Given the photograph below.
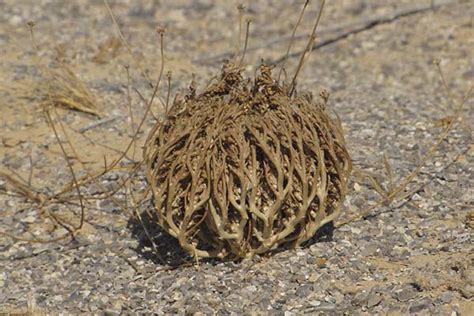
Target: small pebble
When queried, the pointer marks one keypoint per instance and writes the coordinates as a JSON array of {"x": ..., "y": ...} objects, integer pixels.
[
  {"x": 374, "y": 299},
  {"x": 419, "y": 306},
  {"x": 406, "y": 295}
]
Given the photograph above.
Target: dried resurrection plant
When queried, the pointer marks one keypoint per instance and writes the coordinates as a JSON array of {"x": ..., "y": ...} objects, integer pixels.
[{"x": 244, "y": 167}]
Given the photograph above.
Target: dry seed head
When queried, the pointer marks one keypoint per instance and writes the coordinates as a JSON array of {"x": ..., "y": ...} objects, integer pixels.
[
  {"x": 160, "y": 30},
  {"x": 325, "y": 95}
]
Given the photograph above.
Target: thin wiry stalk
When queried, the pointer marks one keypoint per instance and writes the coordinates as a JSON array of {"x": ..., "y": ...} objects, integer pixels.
[
  {"x": 125, "y": 42},
  {"x": 134, "y": 139},
  {"x": 168, "y": 76},
  {"x": 56, "y": 135},
  {"x": 285, "y": 59},
  {"x": 312, "y": 38},
  {"x": 30, "y": 173},
  {"x": 130, "y": 111},
  {"x": 245, "y": 43},
  {"x": 240, "y": 9}
]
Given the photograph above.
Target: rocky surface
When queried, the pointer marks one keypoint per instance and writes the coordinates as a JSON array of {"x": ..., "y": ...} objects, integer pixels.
[{"x": 412, "y": 256}]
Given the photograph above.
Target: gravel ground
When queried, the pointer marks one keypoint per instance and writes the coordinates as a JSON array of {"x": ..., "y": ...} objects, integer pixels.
[{"x": 412, "y": 256}]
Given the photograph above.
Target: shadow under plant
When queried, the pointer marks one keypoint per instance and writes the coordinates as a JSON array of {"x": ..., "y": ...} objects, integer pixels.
[{"x": 162, "y": 249}]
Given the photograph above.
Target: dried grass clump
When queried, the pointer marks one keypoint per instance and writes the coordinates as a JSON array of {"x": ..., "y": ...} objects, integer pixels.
[
  {"x": 62, "y": 88},
  {"x": 244, "y": 167}
]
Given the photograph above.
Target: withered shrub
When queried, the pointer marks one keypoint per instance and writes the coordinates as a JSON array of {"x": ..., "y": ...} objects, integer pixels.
[{"x": 244, "y": 167}]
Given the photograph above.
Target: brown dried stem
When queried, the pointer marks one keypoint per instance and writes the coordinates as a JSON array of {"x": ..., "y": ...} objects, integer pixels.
[
  {"x": 292, "y": 38},
  {"x": 309, "y": 45}
]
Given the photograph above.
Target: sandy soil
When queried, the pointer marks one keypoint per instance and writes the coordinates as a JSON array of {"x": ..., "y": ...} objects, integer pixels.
[{"x": 413, "y": 256}]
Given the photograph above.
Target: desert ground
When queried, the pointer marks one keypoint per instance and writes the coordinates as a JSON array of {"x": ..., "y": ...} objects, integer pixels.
[{"x": 377, "y": 59}]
